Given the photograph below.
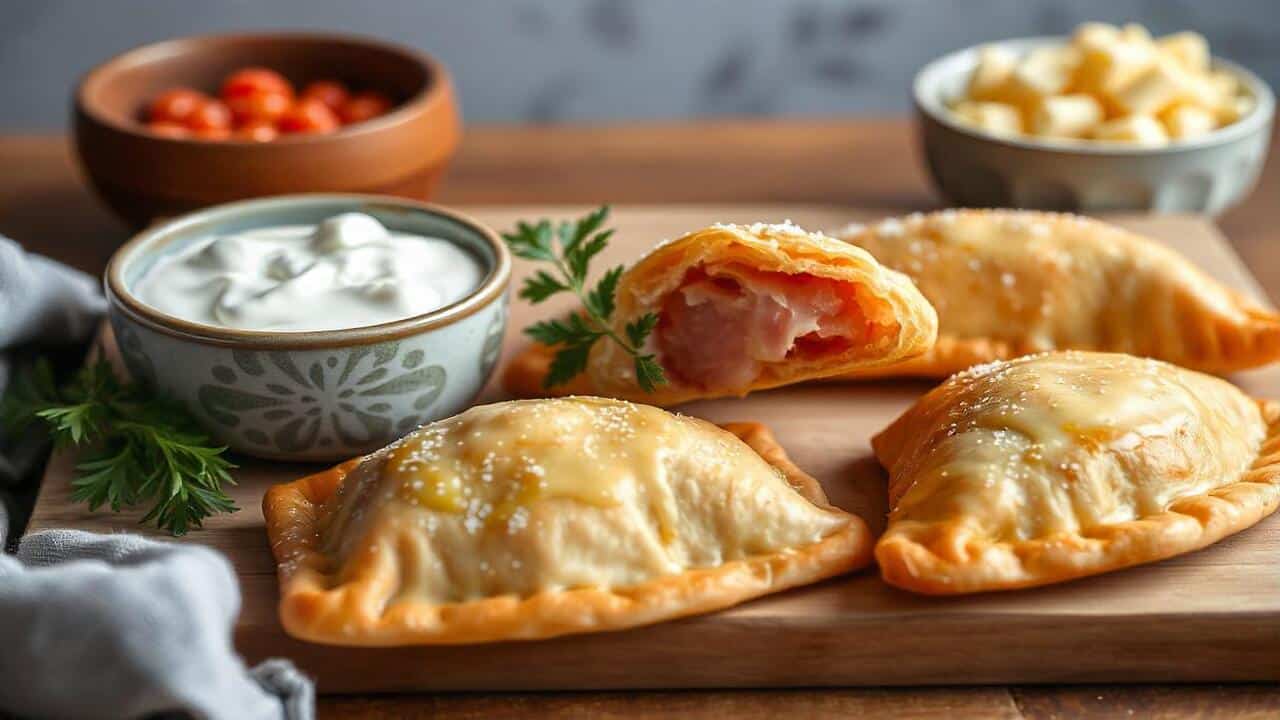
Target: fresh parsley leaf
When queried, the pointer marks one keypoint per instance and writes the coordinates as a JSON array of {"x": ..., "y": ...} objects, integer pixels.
[
  {"x": 579, "y": 231},
  {"x": 600, "y": 301},
  {"x": 531, "y": 242},
  {"x": 541, "y": 286},
  {"x": 649, "y": 373},
  {"x": 136, "y": 446},
  {"x": 638, "y": 330},
  {"x": 580, "y": 258},
  {"x": 568, "y": 363},
  {"x": 579, "y": 242}
]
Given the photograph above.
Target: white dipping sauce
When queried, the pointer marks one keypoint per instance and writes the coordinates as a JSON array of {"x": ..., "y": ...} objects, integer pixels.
[{"x": 349, "y": 271}]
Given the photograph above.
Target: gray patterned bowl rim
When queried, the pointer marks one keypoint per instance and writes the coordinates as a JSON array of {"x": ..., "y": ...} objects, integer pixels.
[
  {"x": 491, "y": 289},
  {"x": 927, "y": 95}
]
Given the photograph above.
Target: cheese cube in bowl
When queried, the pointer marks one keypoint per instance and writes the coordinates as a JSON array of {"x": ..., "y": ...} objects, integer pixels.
[{"x": 1139, "y": 124}]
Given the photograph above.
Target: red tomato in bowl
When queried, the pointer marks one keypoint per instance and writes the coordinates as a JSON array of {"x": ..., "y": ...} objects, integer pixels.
[
  {"x": 168, "y": 129},
  {"x": 257, "y": 131},
  {"x": 330, "y": 92},
  {"x": 364, "y": 106},
  {"x": 308, "y": 116},
  {"x": 261, "y": 106},
  {"x": 175, "y": 105},
  {"x": 247, "y": 81},
  {"x": 213, "y": 133},
  {"x": 210, "y": 116}
]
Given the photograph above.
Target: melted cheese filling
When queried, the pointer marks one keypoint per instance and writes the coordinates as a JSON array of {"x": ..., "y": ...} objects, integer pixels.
[{"x": 726, "y": 322}]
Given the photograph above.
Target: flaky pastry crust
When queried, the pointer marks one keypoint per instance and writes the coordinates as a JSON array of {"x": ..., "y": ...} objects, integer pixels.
[
  {"x": 328, "y": 600},
  {"x": 1009, "y": 282},
  {"x": 1057, "y": 466}
]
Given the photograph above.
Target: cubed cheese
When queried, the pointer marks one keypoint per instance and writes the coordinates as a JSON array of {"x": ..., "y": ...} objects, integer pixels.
[
  {"x": 1066, "y": 115},
  {"x": 1135, "y": 33},
  {"x": 1234, "y": 109},
  {"x": 1189, "y": 49},
  {"x": 1095, "y": 35},
  {"x": 992, "y": 117},
  {"x": 1184, "y": 122},
  {"x": 995, "y": 65},
  {"x": 1160, "y": 86},
  {"x": 1104, "y": 69},
  {"x": 1044, "y": 72},
  {"x": 1136, "y": 129}
]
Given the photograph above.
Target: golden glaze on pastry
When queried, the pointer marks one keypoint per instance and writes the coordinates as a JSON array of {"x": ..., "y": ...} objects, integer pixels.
[
  {"x": 1060, "y": 465},
  {"x": 746, "y": 308},
  {"x": 1007, "y": 283},
  {"x": 536, "y": 518}
]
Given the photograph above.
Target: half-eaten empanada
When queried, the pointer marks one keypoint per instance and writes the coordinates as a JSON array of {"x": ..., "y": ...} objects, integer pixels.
[
  {"x": 1007, "y": 283},
  {"x": 744, "y": 308},
  {"x": 1055, "y": 466},
  {"x": 536, "y": 518}
]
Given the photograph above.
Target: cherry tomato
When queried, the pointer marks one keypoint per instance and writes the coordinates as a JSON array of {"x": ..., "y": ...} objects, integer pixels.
[
  {"x": 175, "y": 105},
  {"x": 247, "y": 81},
  {"x": 212, "y": 133},
  {"x": 211, "y": 115},
  {"x": 257, "y": 131},
  {"x": 364, "y": 106},
  {"x": 308, "y": 116},
  {"x": 168, "y": 129},
  {"x": 263, "y": 105},
  {"x": 330, "y": 92}
]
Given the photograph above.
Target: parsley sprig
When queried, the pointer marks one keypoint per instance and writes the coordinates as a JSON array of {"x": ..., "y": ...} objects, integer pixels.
[
  {"x": 135, "y": 446},
  {"x": 569, "y": 248}
]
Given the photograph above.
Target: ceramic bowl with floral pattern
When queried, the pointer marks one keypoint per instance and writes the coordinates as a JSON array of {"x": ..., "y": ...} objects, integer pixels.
[{"x": 322, "y": 395}]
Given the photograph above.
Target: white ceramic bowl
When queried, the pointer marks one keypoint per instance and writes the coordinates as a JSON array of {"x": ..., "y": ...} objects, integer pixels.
[
  {"x": 975, "y": 169},
  {"x": 314, "y": 395}
]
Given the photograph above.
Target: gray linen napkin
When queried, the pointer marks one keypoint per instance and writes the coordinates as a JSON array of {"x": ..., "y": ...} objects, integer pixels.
[
  {"x": 112, "y": 626},
  {"x": 118, "y": 626}
]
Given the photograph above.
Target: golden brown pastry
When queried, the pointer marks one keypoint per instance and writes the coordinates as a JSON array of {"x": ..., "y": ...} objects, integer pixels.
[
  {"x": 745, "y": 308},
  {"x": 1055, "y": 466},
  {"x": 1007, "y": 283},
  {"x": 536, "y": 518}
]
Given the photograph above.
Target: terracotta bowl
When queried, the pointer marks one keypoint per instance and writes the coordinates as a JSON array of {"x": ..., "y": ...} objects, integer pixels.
[{"x": 143, "y": 176}]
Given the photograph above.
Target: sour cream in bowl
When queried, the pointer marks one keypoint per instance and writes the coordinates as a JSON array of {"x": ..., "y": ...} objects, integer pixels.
[
  {"x": 313, "y": 327},
  {"x": 347, "y": 271}
]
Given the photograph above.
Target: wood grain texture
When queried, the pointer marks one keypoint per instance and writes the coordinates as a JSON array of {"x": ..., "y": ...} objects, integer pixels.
[
  {"x": 866, "y": 704},
  {"x": 1212, "y": 615}
]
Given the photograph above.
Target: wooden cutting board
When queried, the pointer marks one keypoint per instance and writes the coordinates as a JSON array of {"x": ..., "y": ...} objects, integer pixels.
[{"x": 1213, "y": 615}]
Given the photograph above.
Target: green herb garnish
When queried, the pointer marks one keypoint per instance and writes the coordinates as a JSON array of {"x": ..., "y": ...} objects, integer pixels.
[
  {"x": 569, "y": 248},
  {"x": 136, "y": 446}
]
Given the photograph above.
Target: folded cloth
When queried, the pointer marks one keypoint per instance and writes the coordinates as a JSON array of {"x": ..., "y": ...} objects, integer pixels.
[
  {"x": 118, "y": 626},
  {"x": 112, "y": 626},
  {"x": 46, "y": 303}
]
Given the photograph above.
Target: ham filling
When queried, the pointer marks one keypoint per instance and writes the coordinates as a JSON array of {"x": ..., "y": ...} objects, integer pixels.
[{"x": 724, "y": 323}]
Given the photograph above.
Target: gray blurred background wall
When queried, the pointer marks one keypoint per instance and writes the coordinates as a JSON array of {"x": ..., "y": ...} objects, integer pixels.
[{"x": 603, "y": 60}]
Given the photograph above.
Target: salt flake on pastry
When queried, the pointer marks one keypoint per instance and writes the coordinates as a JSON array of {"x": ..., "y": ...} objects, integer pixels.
[
  {"x": 1060, "y": 465},
  {"x": 536, "y": 518},
  {"x": 1008, "y": 283},
  {"x": 749, "y": 307}
]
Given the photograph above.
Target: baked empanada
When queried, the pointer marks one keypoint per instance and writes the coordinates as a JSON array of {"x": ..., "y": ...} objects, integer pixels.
[
  {"x": 1055, "y": 466},
  {"x": 536, "y": 518},
  {"x": 748, "y": 307},
  {"x": 1007, "y": 283}
]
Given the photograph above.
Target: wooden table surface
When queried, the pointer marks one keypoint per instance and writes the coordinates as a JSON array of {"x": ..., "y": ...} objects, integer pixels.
[{"x": 871, "y": 163}]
